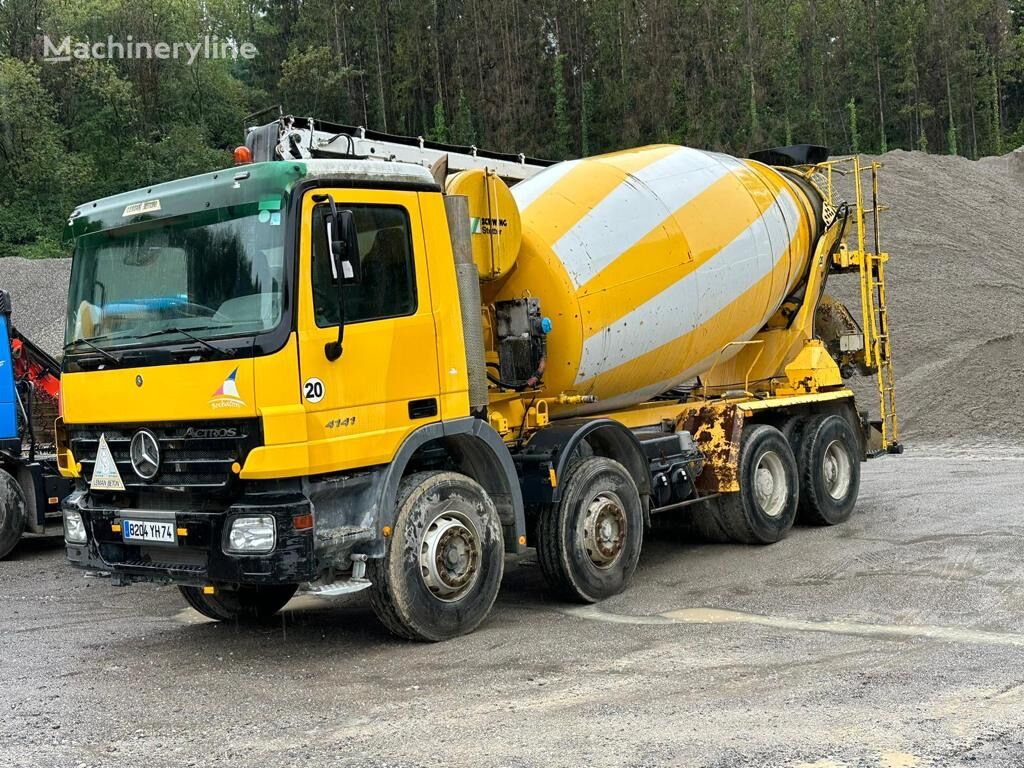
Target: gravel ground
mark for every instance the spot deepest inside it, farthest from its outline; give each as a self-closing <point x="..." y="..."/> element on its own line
<point x="895" y="640"/>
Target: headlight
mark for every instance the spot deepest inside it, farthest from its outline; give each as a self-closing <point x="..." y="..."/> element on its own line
<point x="74" y="527"/>
<point x="252" y="535"/>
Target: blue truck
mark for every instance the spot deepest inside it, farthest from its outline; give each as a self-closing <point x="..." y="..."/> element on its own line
<point x="31" y="487"/>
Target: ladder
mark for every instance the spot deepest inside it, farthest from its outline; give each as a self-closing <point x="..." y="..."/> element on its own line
<point x="294" y="138"/>
<point x="869" y="263"/>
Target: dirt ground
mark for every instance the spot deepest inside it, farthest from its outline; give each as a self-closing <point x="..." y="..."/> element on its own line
<point x="893" y="641"/>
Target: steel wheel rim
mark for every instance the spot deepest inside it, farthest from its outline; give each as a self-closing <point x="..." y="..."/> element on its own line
<point x="604" y="530"/>
<point x="837" y="470"/>
<point x="450" y="555"/>
<point x="771" y="488"/>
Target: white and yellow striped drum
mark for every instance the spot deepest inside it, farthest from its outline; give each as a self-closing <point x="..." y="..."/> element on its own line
<point x="650" y="261"/>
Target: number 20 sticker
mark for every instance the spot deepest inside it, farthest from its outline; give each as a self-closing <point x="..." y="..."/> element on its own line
<point x="313" y="390"/>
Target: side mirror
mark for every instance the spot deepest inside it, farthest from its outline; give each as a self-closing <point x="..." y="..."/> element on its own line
<point x="343" y="243"/>
<point x="344" y="247"/>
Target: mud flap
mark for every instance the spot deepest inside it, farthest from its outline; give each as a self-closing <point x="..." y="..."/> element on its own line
<point x="717" y="429"/>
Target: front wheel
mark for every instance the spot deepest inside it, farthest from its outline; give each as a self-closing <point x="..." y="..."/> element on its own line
<point x="589" y="543"/>
<point x="13" y="513"/>
<point x="247" y="604"/>
<point x="764" y="508"/>
<point x="443" y="562"/>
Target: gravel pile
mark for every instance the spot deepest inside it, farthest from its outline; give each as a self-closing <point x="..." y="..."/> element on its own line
<point x="956" y="295"/>
<point x="955" y="233"/>
<point x="39" y="292"/>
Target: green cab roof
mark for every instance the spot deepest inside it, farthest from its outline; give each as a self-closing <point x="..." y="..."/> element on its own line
<point x="265" y="183"/>
<point x="268" y="184"/>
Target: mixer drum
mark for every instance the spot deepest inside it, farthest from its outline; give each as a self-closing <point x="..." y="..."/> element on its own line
<point x="650" y="261"/>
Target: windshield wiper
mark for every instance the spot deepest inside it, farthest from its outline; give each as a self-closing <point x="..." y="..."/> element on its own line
<point x="113" y="358"/>
<point x="183" y="332"/>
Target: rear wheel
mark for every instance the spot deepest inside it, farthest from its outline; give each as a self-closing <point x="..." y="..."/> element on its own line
<point x="443" y="562"/>
<point x="793" y="429"/>
<point x="764" y="508"/>
<point x="589" y="543"/>
<point x="829" y="471"/>
<point x="13" y="513"/>
<point x="246" y="604"/>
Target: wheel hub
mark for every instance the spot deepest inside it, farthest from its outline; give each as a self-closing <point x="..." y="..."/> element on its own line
<point x="770" y="486"/>
<point x="449" y="556"/>
<point x="836" y="470"/>
<point x="604" y="530"/>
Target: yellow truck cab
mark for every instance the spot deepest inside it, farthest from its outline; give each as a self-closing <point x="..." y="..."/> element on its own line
<point x="284" y="374"/>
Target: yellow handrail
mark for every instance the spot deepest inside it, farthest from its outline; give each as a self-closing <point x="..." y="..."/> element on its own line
<point x="870" y="261"/>
<point x="746" y="377"/>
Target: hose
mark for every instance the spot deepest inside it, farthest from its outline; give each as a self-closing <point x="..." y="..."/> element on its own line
<point x="532" y="383"/>
<point x="844" y="211"/>
<point x="498" y="382"/>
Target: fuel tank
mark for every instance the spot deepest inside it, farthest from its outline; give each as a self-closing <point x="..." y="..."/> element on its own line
<point x="648" y="262"/>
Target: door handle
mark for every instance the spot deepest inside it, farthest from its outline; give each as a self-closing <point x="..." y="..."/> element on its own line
<point x="423" y="409"/>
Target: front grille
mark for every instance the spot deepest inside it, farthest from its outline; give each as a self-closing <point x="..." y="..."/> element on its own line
<point x="192" y="454"/>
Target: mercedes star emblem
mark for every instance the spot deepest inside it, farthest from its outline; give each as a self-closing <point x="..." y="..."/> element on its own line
<point x="145" y="454"/>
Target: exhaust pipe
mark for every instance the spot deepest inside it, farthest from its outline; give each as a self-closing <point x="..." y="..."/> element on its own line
<point x="467" y="278"/>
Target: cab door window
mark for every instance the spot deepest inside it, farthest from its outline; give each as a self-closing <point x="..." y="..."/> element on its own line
<point x="388" y="284"/>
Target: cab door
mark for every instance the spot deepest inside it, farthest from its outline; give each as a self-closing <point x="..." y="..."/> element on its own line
<point x="361" y="406"/>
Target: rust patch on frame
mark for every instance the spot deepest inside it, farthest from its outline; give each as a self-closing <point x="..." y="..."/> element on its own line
<point x="717" y="428"/>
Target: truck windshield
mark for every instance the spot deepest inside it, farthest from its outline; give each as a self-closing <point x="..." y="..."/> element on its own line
<point x="207" y="275"/>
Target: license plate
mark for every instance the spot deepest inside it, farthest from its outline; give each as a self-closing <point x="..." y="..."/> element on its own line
<point x="148" y="530"/>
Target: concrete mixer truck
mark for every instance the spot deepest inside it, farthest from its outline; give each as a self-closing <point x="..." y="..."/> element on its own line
<point x="357" y="361"/>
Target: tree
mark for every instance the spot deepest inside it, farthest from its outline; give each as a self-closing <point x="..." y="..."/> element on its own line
<point x="439" y="131"/>
<point x="315" y="82"/>
<point x="560" y="110"/>
<point x="551" y="78"/>
<point x="463" y="131"/>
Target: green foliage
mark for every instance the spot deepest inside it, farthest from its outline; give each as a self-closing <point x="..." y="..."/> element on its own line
<point x="851" y="108"/>
<point x="463" y="131"/>
<point x="560" y="139"/>
<point x="755" y="120"/>
<point x="439" y="131"/>
<point x="40" y="182"/>
<point x="314" y="82"/>
<point x="996" y="127"/>
<point x="552" y="78"/>
<point x="586" y="117"/>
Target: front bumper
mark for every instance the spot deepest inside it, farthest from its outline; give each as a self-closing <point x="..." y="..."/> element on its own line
<point x="198" y="556"/>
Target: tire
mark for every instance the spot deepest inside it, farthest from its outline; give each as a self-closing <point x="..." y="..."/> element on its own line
<point x="13" y="513"/>
<point x="765" y="507"/>
<point x="413" y="593"/>
<point x="706" y="525"/>
<point x="580" y="564"/>
<point x="829" y="471"/>
<point x="793" y="429"/>
<point x="250" y="604"/>
<point x="697" y="522"/>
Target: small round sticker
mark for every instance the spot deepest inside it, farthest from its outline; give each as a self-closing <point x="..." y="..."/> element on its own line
<point x="313" y="390"/>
